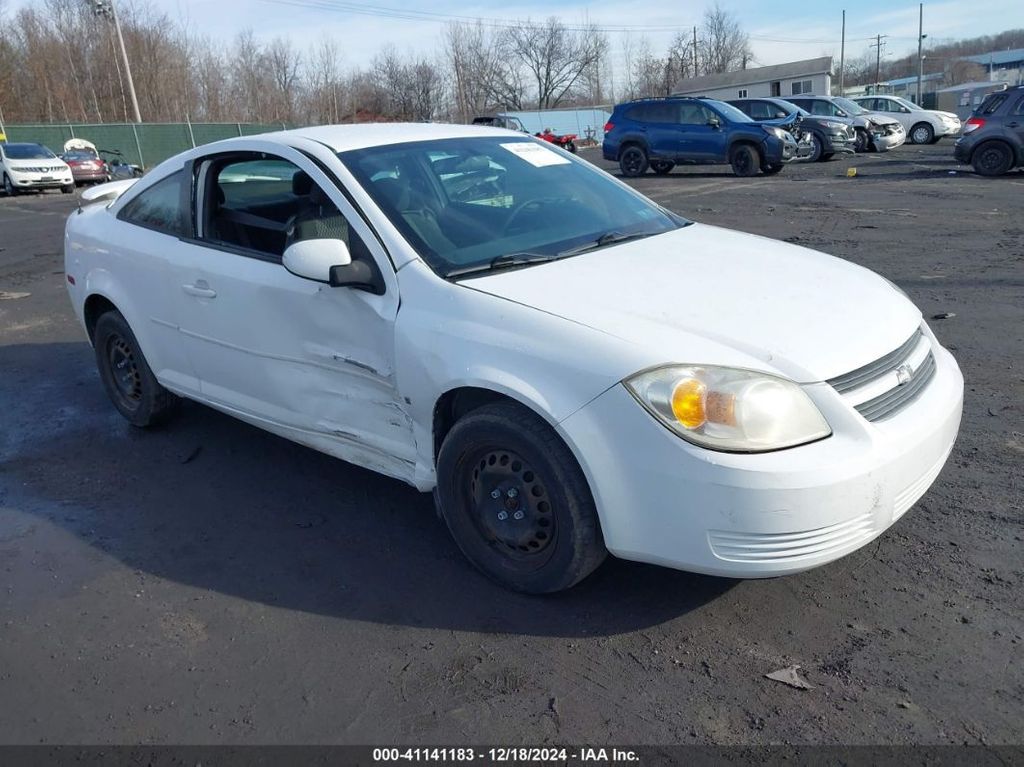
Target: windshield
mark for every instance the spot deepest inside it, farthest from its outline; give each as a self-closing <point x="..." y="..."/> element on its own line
<point x="729" y="112"/>
<point x="908" y="104"/>
<point x="28" y="152"/>
<point x="494" y="201"/>
<point x="850" y="107"/>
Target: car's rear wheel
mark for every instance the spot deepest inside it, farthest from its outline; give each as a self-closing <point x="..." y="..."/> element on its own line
<point x="993" y="158"/>
<point x="662" y="167"/>
<point x="9" y="189"/>
<point x="633" y="161"/>
<point x="571" y="146"/>
<point x="745" y="160"/>
<point x="516" y="501"/>
<point x="126" y="375"/>
<point x="922" y="133"/>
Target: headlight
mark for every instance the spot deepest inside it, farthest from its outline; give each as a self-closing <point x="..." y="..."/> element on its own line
<point x="729" y="409"/>
<point x="778" y="132"/>
<point x="832" y="125"/>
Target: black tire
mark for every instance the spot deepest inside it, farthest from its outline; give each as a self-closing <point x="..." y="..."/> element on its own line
<point x="862" y="142"/>
<point x="772" y="168"/>
<point x="817" y="148"/>
<point x="67" y="189"/>
<point x="745" y="160"/>
<point x="126" y="375"/>
<point x="9" y="188"/>
<point x="993" y="158"/>
<point x="502" y="459"/>
<point x="662" y="167"/>
<point x="827" y="156"/>
<point x="921" y="133"/>
<point x="571" y="146"/>
<point x="633" y="161"/>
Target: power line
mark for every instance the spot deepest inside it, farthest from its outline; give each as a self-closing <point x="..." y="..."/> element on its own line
<point x="402" y="14"/>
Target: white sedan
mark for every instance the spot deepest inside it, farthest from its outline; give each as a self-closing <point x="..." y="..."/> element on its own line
<point x="570" y="368"/>
<point x="32" y="166"/>
<point x="923" y="126"/>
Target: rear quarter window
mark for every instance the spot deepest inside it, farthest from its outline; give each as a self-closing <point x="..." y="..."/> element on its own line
<point x="159" y="207"/>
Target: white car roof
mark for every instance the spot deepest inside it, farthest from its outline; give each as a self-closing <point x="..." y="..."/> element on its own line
<point x="342" y="138"/>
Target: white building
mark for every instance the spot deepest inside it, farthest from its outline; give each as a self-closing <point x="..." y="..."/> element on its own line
<point x="781" y="80"/>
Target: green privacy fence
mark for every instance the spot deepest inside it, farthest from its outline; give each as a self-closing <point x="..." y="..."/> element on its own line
<point x="143" y="144"/>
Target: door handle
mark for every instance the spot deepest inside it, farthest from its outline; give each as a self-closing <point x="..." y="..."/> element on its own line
<point x="1014" y="124"/>
<point x="200" y="290"/>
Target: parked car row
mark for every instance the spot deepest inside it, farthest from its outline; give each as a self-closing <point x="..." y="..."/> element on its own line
<point x="751" y="135"/>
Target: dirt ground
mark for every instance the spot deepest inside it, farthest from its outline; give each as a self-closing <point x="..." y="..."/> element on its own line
<point x="210" y="583"/>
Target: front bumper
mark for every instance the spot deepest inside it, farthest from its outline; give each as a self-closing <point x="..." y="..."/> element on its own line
<point x="40" y="181"/>
<point x="841" y="143"/>
<point x="884" y="141"/>
<point x="665" y="501"/>
<point x="778" y="150"/>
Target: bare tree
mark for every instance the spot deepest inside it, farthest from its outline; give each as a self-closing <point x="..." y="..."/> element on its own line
<point x="723" y="46"/>
<point x="556" y="57"/>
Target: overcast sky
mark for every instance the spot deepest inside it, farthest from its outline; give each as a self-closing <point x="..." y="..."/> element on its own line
<point x="779" y="31"/>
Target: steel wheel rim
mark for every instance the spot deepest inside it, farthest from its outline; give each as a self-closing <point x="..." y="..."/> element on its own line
<point x="818" y="148"/>
<point x="510" y="506"/>
<point x="991" y="158"/>
<point x="124" y="372"/>
<point x="632" y="160"/>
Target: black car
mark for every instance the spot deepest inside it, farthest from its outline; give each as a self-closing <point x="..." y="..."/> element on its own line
<point x="661" y="133"/>
<point x="829" y="136"/>
<point x="993" y="137"/>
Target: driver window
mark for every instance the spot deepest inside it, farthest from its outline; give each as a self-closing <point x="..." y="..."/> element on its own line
<point x="760" y="110"/>
<point x="264" y="204"/>
<point x="692" y="114"/>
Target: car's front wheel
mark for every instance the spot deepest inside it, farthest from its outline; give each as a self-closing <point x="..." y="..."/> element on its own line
<point x="993" y="158"/>
<point x="772" y="168"/>
<point x="861" y="143"/>
<point x="817" y="148"/>
<point x="68" y="189"/>
<point x="516" y="501"/>
<point x="633" y="161"/>
<point x="9" y="189"/>
<point x="744" y="160"/>
<point x="922" y="133"/>
<point x="126" y="375"/>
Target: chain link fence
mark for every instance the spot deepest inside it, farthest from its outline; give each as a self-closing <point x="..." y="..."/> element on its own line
<point x="143" y="144"/>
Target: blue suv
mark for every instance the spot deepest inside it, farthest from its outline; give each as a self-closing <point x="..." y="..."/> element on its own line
<point x="661" y="133"/>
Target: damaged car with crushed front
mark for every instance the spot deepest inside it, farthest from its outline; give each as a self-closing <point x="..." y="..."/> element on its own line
<point x="570" y="368"/>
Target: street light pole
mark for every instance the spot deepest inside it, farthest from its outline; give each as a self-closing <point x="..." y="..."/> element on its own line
<point x="109" y="8"/>
<point x="920" y="41"/>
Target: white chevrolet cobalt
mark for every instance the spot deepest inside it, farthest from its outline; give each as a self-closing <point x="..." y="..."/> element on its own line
<point x="571" y="368"/>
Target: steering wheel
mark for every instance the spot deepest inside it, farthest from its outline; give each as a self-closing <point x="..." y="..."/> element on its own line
<point x="522" y="207"/>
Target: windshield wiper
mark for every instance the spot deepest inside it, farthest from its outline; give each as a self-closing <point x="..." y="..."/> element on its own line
<point x="608" y="238"/>
<point x="506" y="261"/>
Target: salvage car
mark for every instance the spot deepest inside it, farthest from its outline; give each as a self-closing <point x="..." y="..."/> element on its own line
<point x="826" y="136"/>
<point x="875" y="132"/>
<point x="569" y="367"/>
<point x="660" y="133"/>
<point x="923" y="126"/>
<point x="26" y="166"/>
<point x="993" y="139"/>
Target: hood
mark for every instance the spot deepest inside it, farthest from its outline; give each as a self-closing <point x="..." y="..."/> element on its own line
<point x="782" y="308"/>
<point x="880" y="119"/>
<point x="45" y="162"/>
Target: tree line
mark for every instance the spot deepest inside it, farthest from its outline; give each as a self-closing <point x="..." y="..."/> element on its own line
<point x="59" y="62"/>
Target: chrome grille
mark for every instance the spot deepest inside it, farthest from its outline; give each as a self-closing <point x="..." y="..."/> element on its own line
<point x="884" y="387"/>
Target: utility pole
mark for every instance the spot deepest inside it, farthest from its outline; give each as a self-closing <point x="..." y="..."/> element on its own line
<point x="920" y="42"/>
<point x="878" y="58"/>
<point x="695" y="72"/>
<point x="842" y="55"/>
<point x="108" y="9"/>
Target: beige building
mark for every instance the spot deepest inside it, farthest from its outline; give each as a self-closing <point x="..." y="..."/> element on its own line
<point x="780" y="80"/>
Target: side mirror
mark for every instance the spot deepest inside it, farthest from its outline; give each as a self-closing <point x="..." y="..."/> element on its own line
<point x="780" y="115"/>
<point x="314" y="259"/>
<point x="329" y="261"/>
<point x="714" y="122"/>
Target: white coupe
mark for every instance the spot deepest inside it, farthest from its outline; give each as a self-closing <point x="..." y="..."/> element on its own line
<point x="571" y="368"/>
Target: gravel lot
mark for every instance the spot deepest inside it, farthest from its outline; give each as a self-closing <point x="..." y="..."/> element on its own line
<point x="210" y="583"/>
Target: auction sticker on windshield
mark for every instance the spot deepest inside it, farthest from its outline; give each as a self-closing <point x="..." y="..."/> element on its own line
<point x="535" y="154"/>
